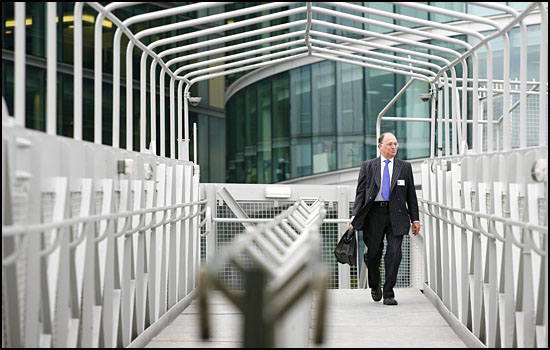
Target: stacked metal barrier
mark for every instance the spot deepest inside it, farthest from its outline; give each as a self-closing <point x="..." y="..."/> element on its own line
<point x="281" y="264"/>
<point x="486" y="243"/>
<point x="98" y="243"/>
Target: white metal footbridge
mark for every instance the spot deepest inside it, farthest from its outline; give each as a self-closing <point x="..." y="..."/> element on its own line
<point x="102" y="245"/>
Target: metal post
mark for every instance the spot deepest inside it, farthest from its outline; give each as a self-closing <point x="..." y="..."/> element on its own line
<point x="172" y="121"/>
<point x="344" y="276"/>
<point x="433" y="101"/>
<point x="162" y="89"/>
<point x="388" y="106"/>
<point x="543" y="73"/>
<point x="77" y="78"/>
<point x="186" y="96"/>
<point x="129" y="98"/>
<point x="19" y="65"/>
<point x="257" y="332"/>
<point x="180" y="122"/>
<point x="143" y="103"/>
<point x="153" y="99"/>
<point x="51" y="92"/>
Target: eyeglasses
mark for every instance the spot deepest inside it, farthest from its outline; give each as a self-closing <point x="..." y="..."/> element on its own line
<point x="389" y="144"/>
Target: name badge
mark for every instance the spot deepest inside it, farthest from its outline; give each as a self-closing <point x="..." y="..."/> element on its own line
<point x="400" y="182"/>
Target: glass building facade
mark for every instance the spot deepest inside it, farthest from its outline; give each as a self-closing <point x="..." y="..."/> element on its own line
<point x="321" y="117"/>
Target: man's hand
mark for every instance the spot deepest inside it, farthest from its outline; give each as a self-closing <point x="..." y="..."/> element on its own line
<point x="351" y="227"/>
<point x="416" y="228"/>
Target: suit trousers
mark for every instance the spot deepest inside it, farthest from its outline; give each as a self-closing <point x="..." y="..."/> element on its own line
<point x="378" y="224"/>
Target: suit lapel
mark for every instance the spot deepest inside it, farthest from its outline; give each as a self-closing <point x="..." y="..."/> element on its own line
<point x="396" y="173"/>
<point x="377" y="172"/>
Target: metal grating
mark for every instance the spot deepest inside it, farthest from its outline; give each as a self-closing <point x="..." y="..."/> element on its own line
<point x="329" y="235"/>
<point x="232" y="277"/>
<point x="226" y="233"/>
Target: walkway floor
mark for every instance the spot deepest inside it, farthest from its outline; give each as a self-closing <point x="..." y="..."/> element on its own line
<point x="353" y="320"/>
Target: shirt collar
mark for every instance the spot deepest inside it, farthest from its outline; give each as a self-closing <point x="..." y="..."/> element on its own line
<point x="383" y="159"/>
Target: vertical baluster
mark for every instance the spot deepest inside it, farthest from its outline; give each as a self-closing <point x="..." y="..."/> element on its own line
<point x="144" y="237"/>
<point x="445" y="268"/>
<point x="476" y="271"/>
<point x="437" y="233"/>
<point x="166" y="245"/>
<point x="88" y="288"/>
<point x="461" y="252"/>
<point x="196" y="230"/>
<point x="467" y="204"/>
<point x="107" y="258"/>
<point x="426" y="219"/>
<point x="175" y="279"/>
<point x="517" y="195"/>
<point x="434" y="224"/>
<point x="119" y="261"/>
<point x="453" y="232"/>
<point x="156" y="244"/>
<point x="187" y="240"/>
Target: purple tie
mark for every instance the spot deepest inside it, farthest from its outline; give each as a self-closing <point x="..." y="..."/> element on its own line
<point x="386" y="181"/>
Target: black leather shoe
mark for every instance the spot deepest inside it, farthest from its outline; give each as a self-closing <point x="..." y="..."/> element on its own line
<point x="376" y="293"/>
<point x="390" y="301"/>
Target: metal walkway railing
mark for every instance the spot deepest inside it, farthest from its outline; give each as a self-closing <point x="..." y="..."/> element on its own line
<point x="91" y="257"/>
<point x="486" y="244"/>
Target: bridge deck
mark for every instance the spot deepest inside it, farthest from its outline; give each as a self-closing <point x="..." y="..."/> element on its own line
<point x="353" y="320"/>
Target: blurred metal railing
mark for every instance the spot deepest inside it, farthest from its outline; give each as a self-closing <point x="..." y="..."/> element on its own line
<point x="281" y="264"/>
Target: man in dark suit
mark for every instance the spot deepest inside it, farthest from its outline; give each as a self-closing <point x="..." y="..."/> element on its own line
<point x="385" y="204"/>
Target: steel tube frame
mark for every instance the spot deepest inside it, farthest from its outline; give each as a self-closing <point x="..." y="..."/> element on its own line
<point x="436" y="25"/>
<point x="165" y="41"/>
<point x="458" y="127"/>
<point x="454" y="85"/>
<point x="429" y="46"/>
<point x="51" y="71"/>
<point x="507" y="131"/>
<point x="19" y="64"/>
<point x="402" y="29"/>
<point x="477" y="19"/>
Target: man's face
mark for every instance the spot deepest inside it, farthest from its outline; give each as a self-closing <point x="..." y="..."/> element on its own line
<point x="388" y="147"/>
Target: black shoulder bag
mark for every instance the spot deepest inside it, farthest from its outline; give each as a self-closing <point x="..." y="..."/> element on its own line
<point x="346" y="249"/>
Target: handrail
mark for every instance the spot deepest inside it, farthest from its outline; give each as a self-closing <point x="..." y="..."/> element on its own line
<point x="23" y="229"/>
<point x="491" y="217"/>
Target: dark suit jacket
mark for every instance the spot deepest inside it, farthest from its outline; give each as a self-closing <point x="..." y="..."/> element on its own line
<point x="403" y="203"/>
